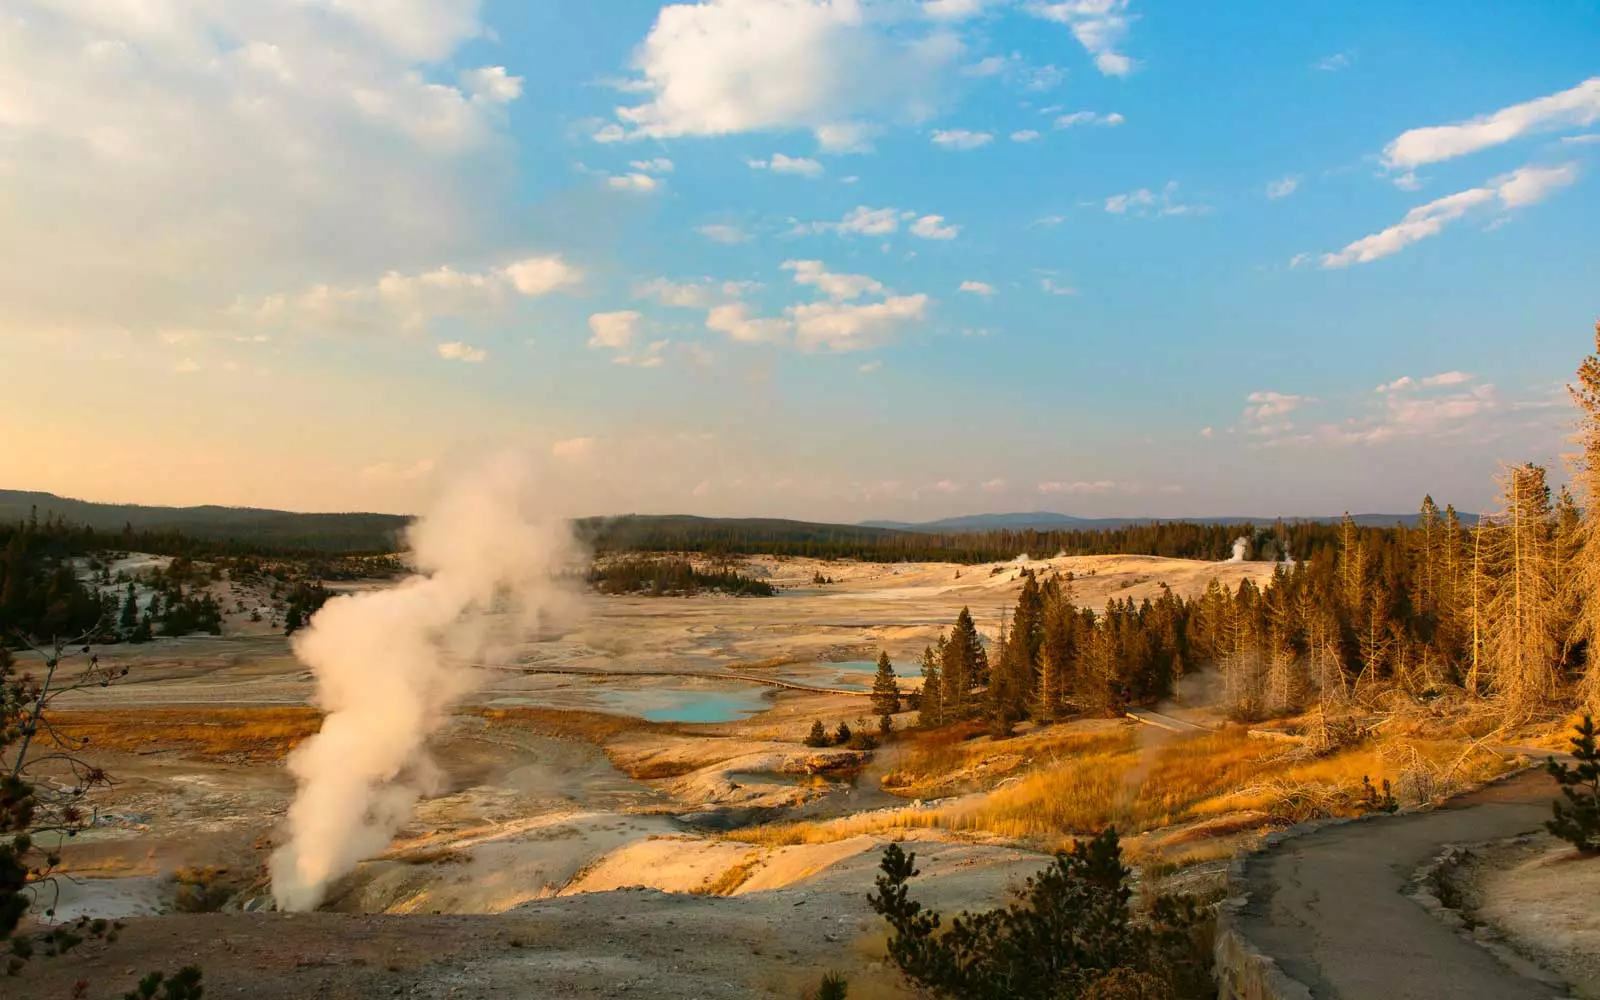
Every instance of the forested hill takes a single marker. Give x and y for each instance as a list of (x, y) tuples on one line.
[(264, 529)]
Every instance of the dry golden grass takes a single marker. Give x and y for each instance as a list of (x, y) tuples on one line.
[(732, 879), (255, 734), (598, 728), (955, 758), (1081, 782)]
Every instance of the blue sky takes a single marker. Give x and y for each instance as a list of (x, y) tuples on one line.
[(814, 258)]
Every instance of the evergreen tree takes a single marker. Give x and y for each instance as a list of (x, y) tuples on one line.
[(930, 703), (885, 688), (818, 736), (965, 666), (1578, 819), (130, 610)]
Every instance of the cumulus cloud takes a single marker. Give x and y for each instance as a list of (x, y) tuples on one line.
[(1089, 118), (960, 138), (869, 367), (933, 227), (859, 221), (1024, 135), (781, 164), (721, 67), (1098, 25), (977, 287), (1333, 63), (835, 286), (1283, 187), (954, 10), (408, 303), (615, 331), (1578, 107), (1517, 189), (735, 320), (274, 142), (838, 327), (634, 182), (690, 294), (659, 165), (1266, 406), (455, 350)]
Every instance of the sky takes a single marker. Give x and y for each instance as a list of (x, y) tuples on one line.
[(828, 259)]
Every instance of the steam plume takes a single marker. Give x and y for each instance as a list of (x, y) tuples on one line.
[(390, 663), (1241, 546)]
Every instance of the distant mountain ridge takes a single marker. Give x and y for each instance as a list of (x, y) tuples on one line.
[(1050, 521), (357, 531)]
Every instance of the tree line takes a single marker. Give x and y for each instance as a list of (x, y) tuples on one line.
[(668, 577), (1507, 607)]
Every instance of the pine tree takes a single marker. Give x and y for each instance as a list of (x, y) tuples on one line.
[(818, 736), (1521, 610), (1585, 568), (885, 688), (130, 610), (930, 704), (965, 666), (1578, 819)]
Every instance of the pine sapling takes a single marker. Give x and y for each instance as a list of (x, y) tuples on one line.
[(1577, 820)]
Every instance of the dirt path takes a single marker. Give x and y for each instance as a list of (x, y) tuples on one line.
[(1328, 905)]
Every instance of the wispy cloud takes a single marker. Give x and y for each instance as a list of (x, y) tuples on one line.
[(960, 138), (1024, 135), (723, 233), (1578, 107), (1089, 118), (455, 350), (977, 287), (1333, 63), (1078, 487), (781, 164), (1523, 187), (1283, 187), (1144, 202), (1098, 25)]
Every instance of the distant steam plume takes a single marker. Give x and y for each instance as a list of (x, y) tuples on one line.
[(1241, 548), (390, 664)]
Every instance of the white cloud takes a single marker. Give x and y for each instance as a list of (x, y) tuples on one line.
[(1581, 140), (721, 233), (1575, 108), (781, 164), (734, 319), (953, 10), (455, 350), (859, 221), (977, 287), (1283, 187), (1098, 25), (615, 331), (1267, 406), (271, 143), (659, 165), (1145, 202), (1024, 135), (1333, 63), (634, 182), (948, 486), (1048, 221), (1448, 378), (960, 138), (1050, 286), (933, 227), (870, 367), (993, 486), (1206, 432), (835, 286), (690, 294), (1517, 189), (845, 137), (839, 327), (1089, 118), (721, 67), (572, 447), (1097, 486), (409, 303)]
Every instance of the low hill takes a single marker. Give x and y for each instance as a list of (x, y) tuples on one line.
[(1048, 521), (354, 532)]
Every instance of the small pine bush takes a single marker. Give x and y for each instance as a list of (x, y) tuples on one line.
[(818, 737), (1577, 820)]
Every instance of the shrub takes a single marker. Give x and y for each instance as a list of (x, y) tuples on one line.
[(1071, 936), (1578, 819), (818, 737), (842, 736), (832, 987)]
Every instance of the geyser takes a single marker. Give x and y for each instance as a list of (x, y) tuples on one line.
[(389, 665)]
